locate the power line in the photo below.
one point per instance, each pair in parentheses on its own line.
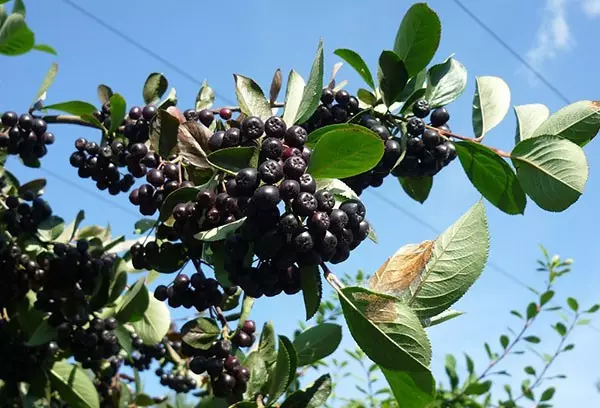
(141,47)
(511,50)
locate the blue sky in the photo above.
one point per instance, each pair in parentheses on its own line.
(254,38)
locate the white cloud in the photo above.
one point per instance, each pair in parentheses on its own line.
(591,8)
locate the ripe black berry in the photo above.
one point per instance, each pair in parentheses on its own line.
(439,117)
(275,127)
(190,115)
(294,167)
(77,159)
(10,119)
(339,114)
(266,197)
(149,112)
(441,151)
(272,148)
(231,138)
(138,150)
(414,145)
(216,140)
(325,200)
(338,219)
(303,242)
(391,154)
(352,106)
(249,326)
(327,96)
(135,113)
(270,171)
(289,189)
(355,211)
(206,117)
(253,127)
(305,204)
(26,121)
(288,223)
(225,113)
(156,177)
(307,183)
(342,96)
(421,108)
(431,138)
(246,181)
(381,130)
(318,223)
(242,339)
(295,136)
(415,126)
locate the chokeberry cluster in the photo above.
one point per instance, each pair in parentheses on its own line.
(22,217)
(70,276)
(24,135)
(143,354)
(198,291)
(90,346)
(172,374)
(227,375)
(427,151)
(106,381)
(336,107)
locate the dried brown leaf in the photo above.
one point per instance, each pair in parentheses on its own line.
(403,269)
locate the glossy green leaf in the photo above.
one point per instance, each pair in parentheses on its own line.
(104,92)
(417,188)
(546,297)
(314,396)
(118,109)
(73,107)
(345,152)
(412,98)
(532,339)
(219,233)
(415,390)
(560,328)
(154,324)
(366,97)
(45,48)
(154,88)
(356,62)
(73,385)
(48,81)
(314,88)
(394,76)
(293,97)
(548,394)
(231,159)
(492,176)
(285,370)
(251,98)
(15,36)
(124,337)
(445,82)
(418,37)
(578,122)
(490,104)
(164,133)
(144,225)
(169,100)
(390,333)
(19,7)
(42,335)
(201,333)
(267,344)
(312,289)
(338,188)
(71,229)
(529,118)
(35,187)
(552,171)
(247,305)
(478,388)
(532,310)
(444,317)
(134,304)
(573,304)
(317,342)
(205,98)
(258,375)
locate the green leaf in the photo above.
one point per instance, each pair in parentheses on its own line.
(552,171)
(417,188)
(490,104)
(390,333)
(42,335)
(73,385)
(316,135)
(532,310)
(247,304)
(415,96)
(219,233)
(445,82)
(293,97)
(548,394)
(569,347)
(573,304)
(394,76)
(529,118)
(164,133)
(144,400)
(478,388)
(124,337)
(345,152)
(169,100)
(19,7)
(578,122)
(470,364)
(314,396)
(593,309)
(205,97)
(504,341)
(134,304)
(251,98)
(35,187)
(45,48)
(171,258)
(48,81)
(69,232)
(118,108)
(367,97)
(154,324)
(492,176)
(285,370)
(15,36)
(443,317)
(104,93)
(457,259)
(317,342)
(314,88)
(338,188)
(144,225)
(154,88)
(312,289)
(73,107)
(231,159)
(266,344)
(546,297)
(258,375)
(356,62)
(200,333)
(560,328)
(418,37)
(532,339)
(529,370)
(414,390)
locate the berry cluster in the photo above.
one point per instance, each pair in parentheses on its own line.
(336,107)
(24,135)
(148,256)
(69,281)
(91,345)
(427,152)
(105,381)
(227,375)
(197,291)
(143,354)
(18,273)
(176,378)
(22,217)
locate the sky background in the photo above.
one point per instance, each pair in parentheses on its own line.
(212,41)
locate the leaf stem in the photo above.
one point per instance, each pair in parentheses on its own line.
(332,278)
